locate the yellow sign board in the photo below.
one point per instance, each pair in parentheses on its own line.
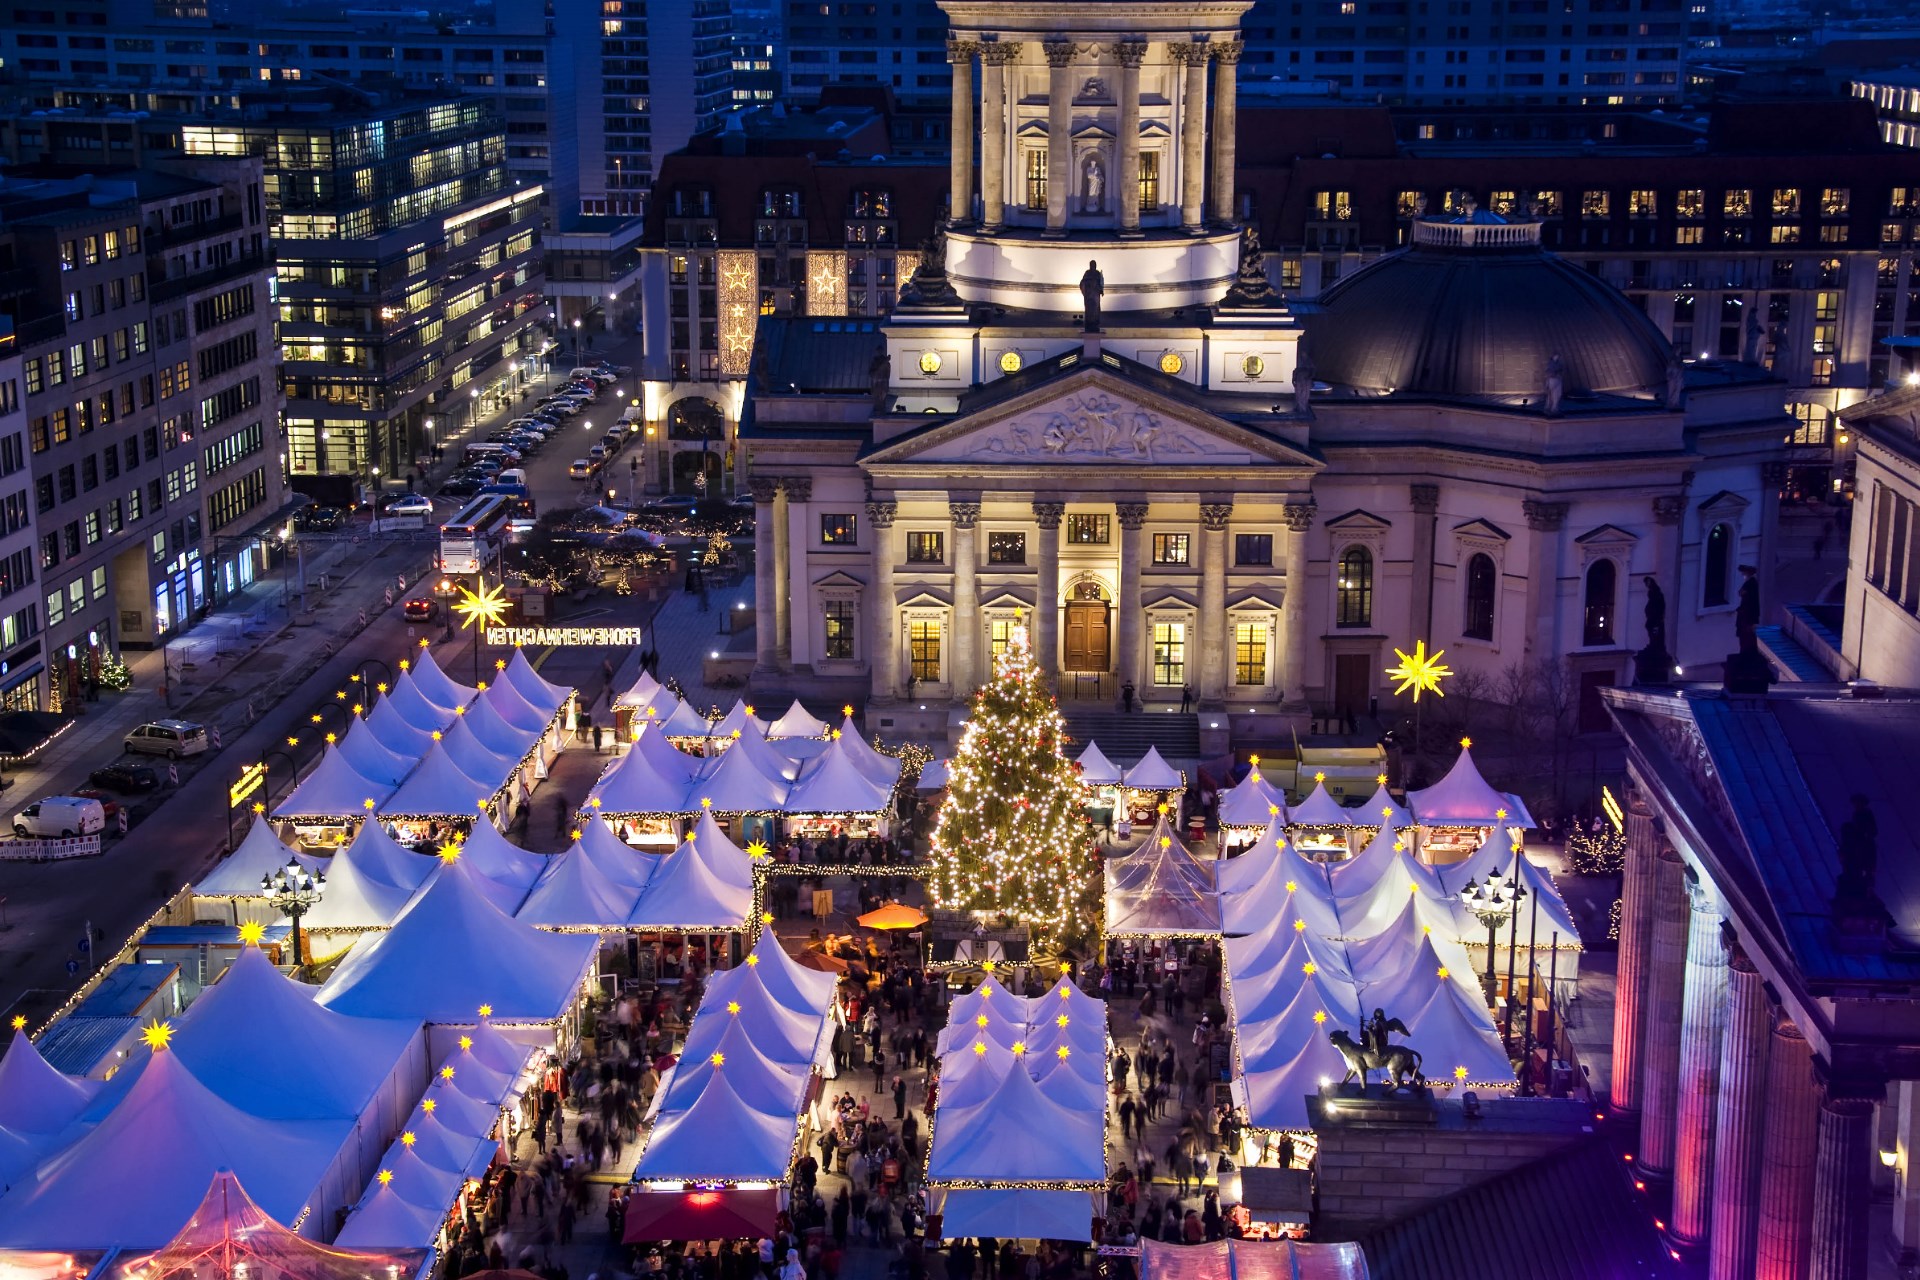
(251,779)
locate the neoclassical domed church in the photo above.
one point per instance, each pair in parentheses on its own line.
(1090,410)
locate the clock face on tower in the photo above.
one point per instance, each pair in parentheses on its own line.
(1253,366)
(1171,362)
(1010,362)
(929,362)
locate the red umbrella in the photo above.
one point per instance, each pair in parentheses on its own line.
(665,1060)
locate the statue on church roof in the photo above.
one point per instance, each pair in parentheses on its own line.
(1250,284)
(1676,384)
(929,285)
(1556,384)
(1302,379)
(1092,286)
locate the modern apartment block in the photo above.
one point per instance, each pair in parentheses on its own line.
(898,44)
(408,273)
(23,654)
(142,308)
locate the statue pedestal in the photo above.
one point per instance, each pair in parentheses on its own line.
(1653,666)
(1747,674)
(1378,1103)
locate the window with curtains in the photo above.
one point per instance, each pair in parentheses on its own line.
(923,651)
(1353,597)
(1250,653)
(1037,178)
(1170,653)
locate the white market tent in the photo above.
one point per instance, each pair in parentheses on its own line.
(490,853)
(484,721)
(1321,810)
(883,769)
(1095,769)
(1017,1133)
(1464,799)
(1383,809)
(1161,890)
(575,893)
(1253,802)
(261,853)
(1271,876)
(1369,863)
(690,890)
(737,785)
(372,759)
(385,1220)
(1009,1213)
(613,857)
(475,758)
(369,882)
(774,762)
(536,690)
(797,722)
(334,789)
(415,707)
(834,783)
(642,692)
(652,777)
(439,788)
(38,1103)
(933,776)
(740,720)
(432,681)
(452,951)
(1153,773)
(514,709)
(684,722)
(395,732)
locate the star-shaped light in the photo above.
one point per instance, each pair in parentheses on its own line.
(384,1177)
(258,807)
(1466,744)
(988,965)
(407,1139)
(251,932)
(382,686)
(1419,671)
(978,1047)
(576,833)
(706,802)
(733,1006)
(367,804)
(752,960)
(158,1035)
(847,710)
(1309,968)
(1061,1053)
(1166,842)
(430,1106)
(980,1021)
(1291,886)
(486,1011)
(756,850)
(1299,926)
(466,1043)
(1399,846)
(1443,971)
(19,1022)
(766,917)
(1254,761)
(486,607)
(1320,777)
(1319,1017)
(1380,778)
(446,1073)
(718,1059)
(450,851)
(1061,1021)
(1500,813)
(500,664)
(1019,1048)
(1460,1073)
(1273,811)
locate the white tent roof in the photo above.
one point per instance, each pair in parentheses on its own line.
(642,691)
(788,981)
(362,747)
(414,706)
(1252,803)
(1373,907)
(261,853)
(796,722)
(650,778)
(514,709)
(740,718)
(727,860)
(1005,1213)
(883,769)
(768,758)
(685,892)
(1378,805)
(737,785)
(368,882)
(35,1096)
(575,892)
(718,1137)
(1244,869)
(1542,895)
(933,775)
(137,1177)
(1160,889)
(613,857)
(1095,769)
(383,1220)
(1448,1025)
(1463,799)
(446,1149)
(1154,774)
(1258,961)
(685,722)
(537,691)
(1397,954)
(758,1080)
(473,758)
(1368,863)
(497,858)
(439,688)
(450,952)
(439,788)
(1503,838)
(392,731)
(1018,1134)
(1321,810)
(1264,893)
(498,735)
(223,1038)
(334,789)
(781,1034)
(835,783)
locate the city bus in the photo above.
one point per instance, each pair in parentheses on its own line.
(472,538)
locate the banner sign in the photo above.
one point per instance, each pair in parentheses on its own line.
(563,637)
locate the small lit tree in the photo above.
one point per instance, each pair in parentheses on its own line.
(1011,837)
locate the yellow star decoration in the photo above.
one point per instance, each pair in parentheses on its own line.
(736,735)
(756,850)
(1466,744)
(766,917)
(752,961)
(158,1035)
(465,1043)
(1019,1048)
(437,735)
(577,833)
(749,712)
(1166,842)
(988,965)
(1459,1073)
(718,1059)
(1386,811)
(1399,846)
(382,686)
(486,607)
(500,664)
(446,1073)
(367,804)
(978,1047)
(1319,777)
(252,931)
(1273,811)
(1254,776)
(847,710)
(1380,778)
(1291,886)
(1319,1017)
(980,1021)
(450,851)
(486,1011)
(1162,809)
(385,1177)
(835,735)
(706,802)
(1299,926)
(19,1022)
(1254,761)
(258,807)
(407,1139)
(1309,968)
(1443,971)
(1061,1021)
(430,1106)
(733,1006)
(594,803)
(1061,1053)
(1063,993)
(1500,814)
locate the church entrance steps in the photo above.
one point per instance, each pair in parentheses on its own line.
(1125,738)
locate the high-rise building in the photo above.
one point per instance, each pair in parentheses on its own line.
(141,300)
(23,665)
(898,44)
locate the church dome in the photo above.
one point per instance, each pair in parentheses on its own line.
(1475,309)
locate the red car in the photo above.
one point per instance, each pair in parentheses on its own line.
(108,805)
(420,609)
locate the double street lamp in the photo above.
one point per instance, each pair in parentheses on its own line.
(1493,904)
(293,891)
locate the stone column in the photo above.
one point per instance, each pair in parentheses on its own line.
(883,635)
(1046,600)
(1126,192)
(1226,108)
(1060,56)
(1426,518)
(1215,634)
(965,513)
(1545,520)
(782,566)
(797,632)
(1668,510)
(1666,978)
(1737,1128)
(767,576)
(1193,134)
(1906,1193)
(994,58)
(1636,922)
(1786,1176)
(960,201)
(1299,520)
(1702,1024)
(1842,1190)
(1128,624)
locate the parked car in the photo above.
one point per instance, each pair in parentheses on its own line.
(60,816)
(408,504)
(461,486)
(598,453)
(109,805)
(580,469)
(169,738)
(420,609)
(125,776)
(318,519)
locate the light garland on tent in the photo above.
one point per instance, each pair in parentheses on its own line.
(1011,837)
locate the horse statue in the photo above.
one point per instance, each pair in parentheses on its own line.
(1397,1063)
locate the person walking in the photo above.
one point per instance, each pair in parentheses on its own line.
(899,1098)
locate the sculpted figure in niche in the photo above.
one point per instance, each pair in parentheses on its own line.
(1093,184)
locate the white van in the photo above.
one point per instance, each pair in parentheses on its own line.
(60,816)
(512,475)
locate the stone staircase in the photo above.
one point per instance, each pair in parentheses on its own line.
(1125,738)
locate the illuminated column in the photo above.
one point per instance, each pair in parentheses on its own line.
(796,629)
(960,200)
(1702,1026)
(766,574)
(1060,55)
(1126,194)
(1786,1176)
(1226,105)
(1737,1129)
(1046,602)
(994,58)
(1842,1190)
(1193,133)
(1666,978)
(1214,632)
(1636,924)
(966,593)
(1544,521)
(883,633)
(1906,1146)
(1127,625)
(782,572)
(1299,520)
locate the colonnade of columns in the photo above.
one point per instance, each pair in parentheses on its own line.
(1201,192)
(1719,1076)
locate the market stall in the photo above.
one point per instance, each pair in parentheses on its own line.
(1149,784)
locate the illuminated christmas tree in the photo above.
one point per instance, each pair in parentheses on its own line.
(1012,837)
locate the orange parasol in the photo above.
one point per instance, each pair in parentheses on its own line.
(821,961)
(893,916)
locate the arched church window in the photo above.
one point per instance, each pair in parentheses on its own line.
(1602,582)
(1481,579)
(1354,597)
(1718,562)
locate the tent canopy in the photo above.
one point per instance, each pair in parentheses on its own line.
(435,684)
(335,789)
(438,788)
(1018,1134)
(1095,769)
(575,892)
(368,882)
(1004,1213)
(1154,774)
(534,689)
(36,1098)
(261,854)
(835,783)
(740,719)
(1253,803)
(362,747)
(1464,799)
(1321,810)
(797,722)
(1161,889)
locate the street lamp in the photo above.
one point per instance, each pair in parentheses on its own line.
(1493,904)
(576,344)
(293,891)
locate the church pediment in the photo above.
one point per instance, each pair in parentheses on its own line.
(1092,419)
